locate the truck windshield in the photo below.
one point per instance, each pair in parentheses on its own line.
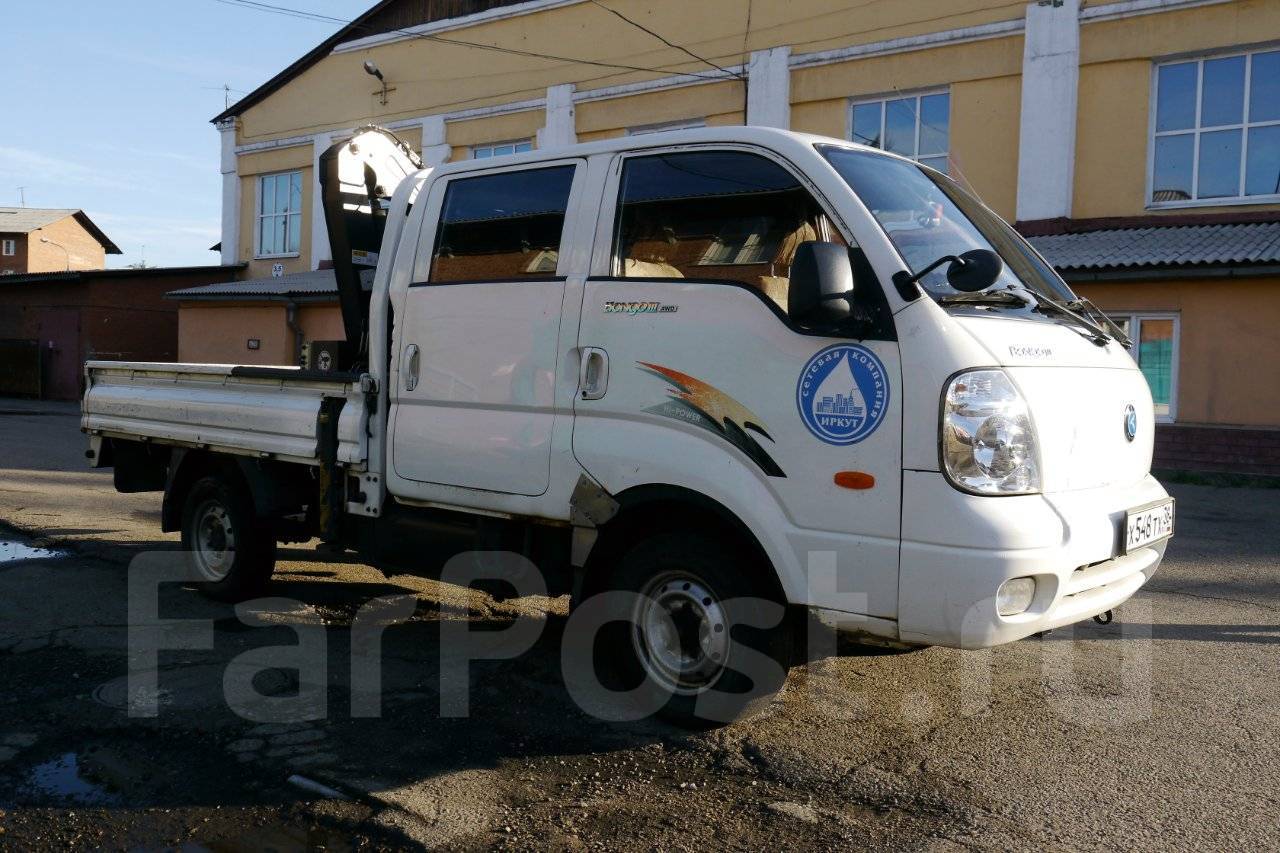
(927,216)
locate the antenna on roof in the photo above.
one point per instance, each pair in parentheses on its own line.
(22,196)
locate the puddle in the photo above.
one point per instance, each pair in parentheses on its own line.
(13,551)
(61,779)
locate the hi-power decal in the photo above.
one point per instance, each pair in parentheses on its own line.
(696,402)
(843,394)
(634,308)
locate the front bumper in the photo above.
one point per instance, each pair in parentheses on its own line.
(957,549)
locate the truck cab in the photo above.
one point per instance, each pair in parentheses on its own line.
(727,365)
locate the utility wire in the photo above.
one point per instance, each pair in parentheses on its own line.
(668,43)
(316,16)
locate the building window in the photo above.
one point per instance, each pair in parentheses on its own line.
(279,214)
(1155,348)
(916,126)
(9,247)
(1216,134)
(687,124)
(500,149)
(503,227)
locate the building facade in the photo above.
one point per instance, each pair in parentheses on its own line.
(1137,142)
(36,240)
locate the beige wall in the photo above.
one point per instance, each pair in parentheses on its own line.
(1227,327)
(83,252)
(251,167)
(218,332)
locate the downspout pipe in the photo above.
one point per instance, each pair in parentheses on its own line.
(299,337)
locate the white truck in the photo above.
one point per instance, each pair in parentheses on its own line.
(700,366)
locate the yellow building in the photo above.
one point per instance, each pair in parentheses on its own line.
(1136,141)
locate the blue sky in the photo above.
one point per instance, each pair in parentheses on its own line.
(108,107)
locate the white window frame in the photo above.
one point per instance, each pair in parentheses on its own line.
(883,99)
(258,254)
(9,248)
(1243,126)
(490,146)
(659,127)
(1135,319)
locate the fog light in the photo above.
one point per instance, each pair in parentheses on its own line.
(1014,596)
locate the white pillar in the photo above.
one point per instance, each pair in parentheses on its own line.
(435,150)
(560,130)
(319,230)
(230,193)
(1047,136)
(769,88)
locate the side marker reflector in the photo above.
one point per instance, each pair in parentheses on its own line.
(854,480)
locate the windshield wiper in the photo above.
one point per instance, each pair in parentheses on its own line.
(1095,332)
(986,297)
(1087,308)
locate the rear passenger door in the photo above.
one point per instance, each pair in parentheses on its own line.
(479,330)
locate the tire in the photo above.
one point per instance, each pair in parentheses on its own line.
(716,600)
(231,553)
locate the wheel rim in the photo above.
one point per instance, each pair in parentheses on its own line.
(213,541)
(680,632)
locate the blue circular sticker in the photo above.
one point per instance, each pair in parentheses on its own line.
(843,394)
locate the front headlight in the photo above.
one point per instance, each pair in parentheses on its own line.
(988,442)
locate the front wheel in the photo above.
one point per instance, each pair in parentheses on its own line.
(698,635)
(231,552)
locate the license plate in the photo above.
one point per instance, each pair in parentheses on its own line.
(1148,524)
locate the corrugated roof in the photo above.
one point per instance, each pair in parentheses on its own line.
(313,283)
(24,220)
(1163,246)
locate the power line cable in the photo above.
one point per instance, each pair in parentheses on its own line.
(316,16)
(666,41)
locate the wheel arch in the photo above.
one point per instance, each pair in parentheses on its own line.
(645,509)
(273,488)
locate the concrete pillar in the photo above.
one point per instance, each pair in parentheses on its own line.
(320,251)
(435,150)
(560,130)
(769,88)
(230,193)
(1047,136)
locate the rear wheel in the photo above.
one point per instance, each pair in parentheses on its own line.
(231,552)
(700,636)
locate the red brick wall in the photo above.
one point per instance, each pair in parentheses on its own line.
(1217,449)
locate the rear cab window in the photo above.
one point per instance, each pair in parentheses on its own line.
(506,226)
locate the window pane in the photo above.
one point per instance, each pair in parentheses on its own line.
(295,233)
(502,227)
(481,153)
(267,194)
(282,193)
(1264,87)
(1172,178)
(1176,102)
(1262,175)
(714,215)
(935,124)
(264,236)
(503,150)
(522,147)
(277,235)
(866,124)
(1155,358)
(295,192)
(939,163)
(1219,164)
(1223,98)
(900,126)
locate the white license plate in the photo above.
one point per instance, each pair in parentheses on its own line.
(1148,524)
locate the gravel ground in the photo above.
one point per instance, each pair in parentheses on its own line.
(1157,731)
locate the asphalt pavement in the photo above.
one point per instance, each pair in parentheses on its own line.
(1158,731)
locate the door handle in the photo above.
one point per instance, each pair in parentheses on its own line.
(409,368)
(593,373)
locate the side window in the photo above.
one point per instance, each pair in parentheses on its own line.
(502,227)
(722,215)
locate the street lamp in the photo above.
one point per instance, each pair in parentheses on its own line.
(371,68)
(60,246)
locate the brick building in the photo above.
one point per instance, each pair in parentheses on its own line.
(35,240)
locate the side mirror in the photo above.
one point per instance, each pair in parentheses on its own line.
(976,269)
(821,284)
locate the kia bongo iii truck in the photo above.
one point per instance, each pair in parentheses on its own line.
(737,374)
